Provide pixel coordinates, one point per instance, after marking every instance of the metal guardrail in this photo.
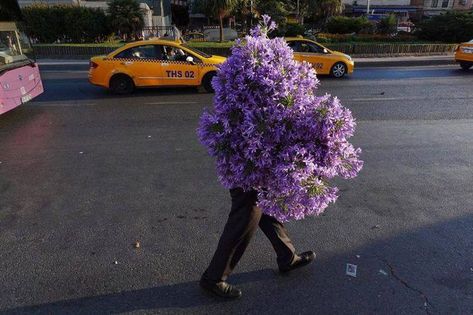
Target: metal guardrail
(357, 50)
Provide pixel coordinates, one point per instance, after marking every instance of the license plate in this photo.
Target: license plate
(26, 98)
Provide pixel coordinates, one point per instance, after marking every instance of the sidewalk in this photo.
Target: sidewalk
(408, 61)
(404, 61)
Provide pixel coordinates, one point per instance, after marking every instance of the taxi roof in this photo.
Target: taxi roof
(295, 38)
(157, 41)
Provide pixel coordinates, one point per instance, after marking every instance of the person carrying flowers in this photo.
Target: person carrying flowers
(276, 144)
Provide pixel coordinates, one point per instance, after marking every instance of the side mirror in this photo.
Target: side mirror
(190, 59)
(325, 51)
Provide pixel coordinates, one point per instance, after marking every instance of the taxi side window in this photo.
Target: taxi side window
(293, 46)
(140, 52)
(308, 47)
(172, 53)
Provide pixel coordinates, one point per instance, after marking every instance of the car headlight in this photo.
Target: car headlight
(467, 50)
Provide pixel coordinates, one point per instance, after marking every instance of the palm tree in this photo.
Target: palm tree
(126, 16)
(220, 9)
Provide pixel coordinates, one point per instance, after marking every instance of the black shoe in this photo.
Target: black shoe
(222, 288)
(301, 260)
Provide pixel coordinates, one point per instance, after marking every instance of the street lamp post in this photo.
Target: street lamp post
(368, 8)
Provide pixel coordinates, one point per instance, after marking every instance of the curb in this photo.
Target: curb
(359, 62)
(404, 63)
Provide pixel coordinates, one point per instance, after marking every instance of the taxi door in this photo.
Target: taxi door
(142, 63)
(313, 54)
(177, 70)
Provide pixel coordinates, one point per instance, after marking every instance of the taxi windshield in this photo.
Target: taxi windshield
(196, 51)
(14, 48)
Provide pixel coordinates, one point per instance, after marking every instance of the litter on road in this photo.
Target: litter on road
(351, 270)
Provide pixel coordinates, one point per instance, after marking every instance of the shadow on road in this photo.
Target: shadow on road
(182, 295)
(424, 271)
(70, 90)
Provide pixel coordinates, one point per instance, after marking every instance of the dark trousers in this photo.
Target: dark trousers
(242, 223)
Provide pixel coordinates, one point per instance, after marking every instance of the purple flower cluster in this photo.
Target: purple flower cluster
(270, 132)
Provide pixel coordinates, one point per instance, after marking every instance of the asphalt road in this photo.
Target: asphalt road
(85, 174)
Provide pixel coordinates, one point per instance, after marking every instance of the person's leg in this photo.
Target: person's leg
(286, 254)
(241, 225)
(277, 235)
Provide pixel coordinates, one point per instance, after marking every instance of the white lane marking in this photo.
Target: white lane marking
(49, 104)
(419, 98)
(376, 99)
(60, 63)
(171, 102)
(76, 104)
(63, 71)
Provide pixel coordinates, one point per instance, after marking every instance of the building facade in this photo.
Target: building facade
(463, 5)
(402, 8)
(436, 7)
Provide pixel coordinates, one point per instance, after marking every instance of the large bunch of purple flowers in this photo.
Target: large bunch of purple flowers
(270, 132)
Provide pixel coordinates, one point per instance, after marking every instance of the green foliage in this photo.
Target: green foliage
(450, 27)
(217, 9)
(9, 10)
(294, 30)
(345, 25)
(366, 38)
(126, 16)
(65, 23)
(202, 6)
(323, 10)
(387, 25)
(277, 10)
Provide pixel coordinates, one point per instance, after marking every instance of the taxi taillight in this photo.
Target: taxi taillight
(93, 65)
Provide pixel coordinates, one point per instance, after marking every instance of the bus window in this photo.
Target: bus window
(10, 47)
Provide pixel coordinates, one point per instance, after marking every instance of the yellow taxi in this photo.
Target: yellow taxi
(324, 60)
(153, 63)
(464, 55)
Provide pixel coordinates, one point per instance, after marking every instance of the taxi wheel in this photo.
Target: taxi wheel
(338, 70)
(207, 82)
(121, 84)
(466, 65)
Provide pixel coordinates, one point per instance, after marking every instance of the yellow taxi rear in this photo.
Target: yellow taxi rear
(464, 55)
(153, 63)
(324, 60)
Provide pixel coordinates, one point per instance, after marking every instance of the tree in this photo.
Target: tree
(9, 10)
(450, 27)
(323, 10)
(78, 24)
(126, 16)
(278, 10)
(220, 9)
(202, 6)
(387, 25)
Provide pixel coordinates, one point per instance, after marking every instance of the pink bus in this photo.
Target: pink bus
(20, 81)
